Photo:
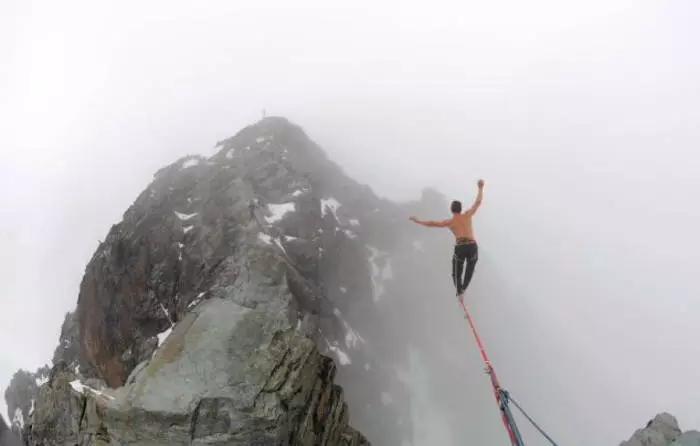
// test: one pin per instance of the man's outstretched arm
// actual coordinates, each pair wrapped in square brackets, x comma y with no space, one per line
[479,198]
[431,223]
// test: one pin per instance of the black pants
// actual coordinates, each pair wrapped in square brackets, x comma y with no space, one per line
[466,251]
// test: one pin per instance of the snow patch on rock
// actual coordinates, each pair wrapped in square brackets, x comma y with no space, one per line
[278,211]
[329,203]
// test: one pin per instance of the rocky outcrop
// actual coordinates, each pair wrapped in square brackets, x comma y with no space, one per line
[199,316]
[206,385]
[663,430]
[7,438]
[21,396]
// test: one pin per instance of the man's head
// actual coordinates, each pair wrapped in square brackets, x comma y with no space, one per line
[456,207]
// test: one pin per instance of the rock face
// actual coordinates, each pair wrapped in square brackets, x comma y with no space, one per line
[206,385]
[199,317]
[663,430]
[7,438]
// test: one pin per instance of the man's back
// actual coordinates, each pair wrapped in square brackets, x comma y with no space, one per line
[461,226]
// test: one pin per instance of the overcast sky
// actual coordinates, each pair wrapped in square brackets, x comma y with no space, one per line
[581,116]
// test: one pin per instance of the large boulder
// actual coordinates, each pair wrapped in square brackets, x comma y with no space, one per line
[226,374]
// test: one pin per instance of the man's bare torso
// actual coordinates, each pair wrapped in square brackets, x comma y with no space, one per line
[461,226]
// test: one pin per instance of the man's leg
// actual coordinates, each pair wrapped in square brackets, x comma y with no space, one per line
[472,258]
[457,267]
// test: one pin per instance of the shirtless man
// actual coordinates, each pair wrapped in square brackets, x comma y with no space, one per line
[466,249]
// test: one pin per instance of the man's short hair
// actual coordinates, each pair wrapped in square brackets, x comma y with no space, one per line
[456,207]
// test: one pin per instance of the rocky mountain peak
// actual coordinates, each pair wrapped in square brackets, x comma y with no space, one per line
[258,296]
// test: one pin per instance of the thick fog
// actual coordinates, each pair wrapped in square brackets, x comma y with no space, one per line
[581,117]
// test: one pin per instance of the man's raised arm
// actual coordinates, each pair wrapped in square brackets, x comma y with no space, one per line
[431,223]
[479,197]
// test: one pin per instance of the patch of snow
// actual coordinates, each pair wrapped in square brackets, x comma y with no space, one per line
[31,409]
[354,222]
[351,336]
[184,217]
[343,290]
[246,148]
[77,369]
[377,286]
[229,154]
[102,394]
[331,203]
[165,312]
[265,238]
[180,247]
[379,275]
[418,245]
[279,210]
[342,356]
[297,192]
[197,300]
[260,139]
[187,229]
[290,238]
[81,388]
[77,386]
[190,163]
[18,419]
[279,245]
[163,335]
[386,399]
[367,367]
[350,234]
